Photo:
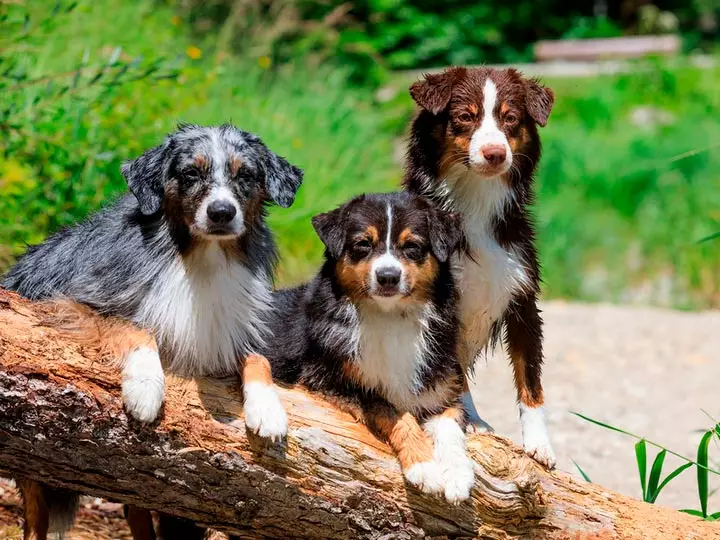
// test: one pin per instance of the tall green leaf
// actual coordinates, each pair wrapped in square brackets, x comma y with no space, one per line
[670,477]
[641,457]
[582,473]
[702,473]
[654,479]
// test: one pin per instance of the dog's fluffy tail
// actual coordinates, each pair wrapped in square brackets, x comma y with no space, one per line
[110,337]
[57,505]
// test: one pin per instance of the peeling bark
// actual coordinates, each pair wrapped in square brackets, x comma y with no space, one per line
[61,421]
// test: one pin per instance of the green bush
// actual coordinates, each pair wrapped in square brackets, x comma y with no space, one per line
[60,149]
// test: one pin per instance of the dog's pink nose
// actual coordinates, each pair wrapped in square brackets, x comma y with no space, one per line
[494,154]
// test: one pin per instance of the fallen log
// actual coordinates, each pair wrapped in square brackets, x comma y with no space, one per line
[61,421]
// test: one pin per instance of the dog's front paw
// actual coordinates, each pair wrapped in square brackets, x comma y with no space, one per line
[264,414]
[535,436]
[143,385]
[459,480]
[541,451]
[426,476]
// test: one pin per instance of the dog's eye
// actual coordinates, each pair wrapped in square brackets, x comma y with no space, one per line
[511,119]
[191,174]
[362,247]
[465,117]
[413,251]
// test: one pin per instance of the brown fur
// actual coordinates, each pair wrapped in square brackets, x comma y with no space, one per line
[257,369]
[140,522]
[37,515]
[404,434]
[111,337]
[353,276]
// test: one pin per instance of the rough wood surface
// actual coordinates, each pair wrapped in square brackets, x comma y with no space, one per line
[61,421]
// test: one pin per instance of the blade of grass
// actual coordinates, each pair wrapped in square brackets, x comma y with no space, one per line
[641,457]
[638,437]
[714,516]
[697,513]
[669,478]
[702,474]
[582,473]
[654,480]
[710,237]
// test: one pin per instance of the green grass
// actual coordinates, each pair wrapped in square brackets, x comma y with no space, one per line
[620,207]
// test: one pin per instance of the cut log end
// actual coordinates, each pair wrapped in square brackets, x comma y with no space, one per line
[61,422]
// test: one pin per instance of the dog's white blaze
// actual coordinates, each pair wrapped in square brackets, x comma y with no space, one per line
[387,260]
[206,310]
[451,454]
[492,275]
[264,414]
[219,157]
[143,384]
[536,441]
[391,355]
[489,133]
[220,193]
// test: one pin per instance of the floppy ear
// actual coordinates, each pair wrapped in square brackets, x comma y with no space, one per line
[330,227]
[446,234]
[434,92]
[144,177]
[539,101]
[282,179]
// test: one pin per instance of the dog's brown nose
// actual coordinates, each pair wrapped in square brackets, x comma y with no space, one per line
[494,154]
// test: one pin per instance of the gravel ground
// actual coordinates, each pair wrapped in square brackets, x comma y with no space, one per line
[648,371]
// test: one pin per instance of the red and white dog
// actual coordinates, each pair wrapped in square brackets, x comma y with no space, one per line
[474,146]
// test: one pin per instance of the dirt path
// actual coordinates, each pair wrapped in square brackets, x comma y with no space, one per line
[648,371]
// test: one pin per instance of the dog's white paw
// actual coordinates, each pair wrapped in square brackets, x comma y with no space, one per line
[459,480]
[264,414]
[143,384]
[426,476]
[535,436]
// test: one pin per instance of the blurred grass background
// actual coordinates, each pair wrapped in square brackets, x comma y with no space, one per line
[627,186]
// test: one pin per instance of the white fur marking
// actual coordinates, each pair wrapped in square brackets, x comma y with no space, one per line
[458,469]
[219,193]
[143,384]
[391,355]
[264,414]
[387,260]
[535,436]
[489,133]
[426,476]
[206,310]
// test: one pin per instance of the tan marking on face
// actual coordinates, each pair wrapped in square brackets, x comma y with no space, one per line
[504,108]
[372,234]
[406,235]
[404,434]
[353,277]
[457,149]
[235,164]
[257,369]
[201,161]
[519,140]
[421,277]
[473,109]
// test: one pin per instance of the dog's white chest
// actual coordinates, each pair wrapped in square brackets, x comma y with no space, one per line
[489,279]
[206,311]
[488,282]
[390,355]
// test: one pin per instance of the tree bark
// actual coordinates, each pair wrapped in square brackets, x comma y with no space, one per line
[61,421]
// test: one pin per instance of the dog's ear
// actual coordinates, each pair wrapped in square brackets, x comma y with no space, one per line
[446,234]
[282,179]
[145,178]
[433,93]
[538,101]
[330,227]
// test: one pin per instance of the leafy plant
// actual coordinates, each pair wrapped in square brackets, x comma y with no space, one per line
[652,486]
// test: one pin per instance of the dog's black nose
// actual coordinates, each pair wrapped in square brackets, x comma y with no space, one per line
[221,212]
[388,276]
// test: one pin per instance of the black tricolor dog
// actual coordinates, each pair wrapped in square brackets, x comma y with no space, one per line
[189,257]
[377,332]
[474,146]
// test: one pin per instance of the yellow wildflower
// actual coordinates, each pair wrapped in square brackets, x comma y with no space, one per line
[264,62]
[175,20]
[193,52]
